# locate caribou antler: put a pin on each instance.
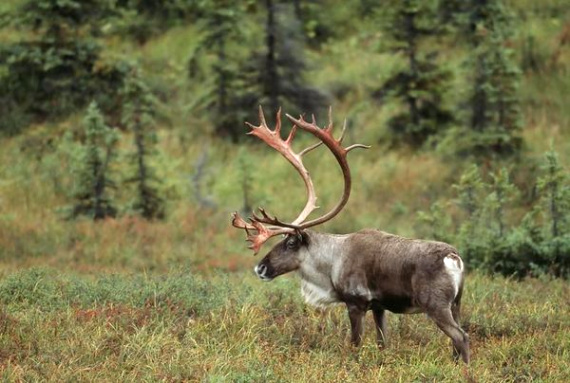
(273, 139)
(340, 153)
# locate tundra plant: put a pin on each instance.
(91, 168)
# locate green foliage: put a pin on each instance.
(534, 57)
(198, 180)
(494, 120)
(283, 74)
(421, 86)
(57, 68)
(273, 75)
(486, 235)
(246, 178)
(554, 189)
(555, 194)
(277, 72)
(438, 222)
(57, 19)
(92, 168)
(139, 111)
(470, 190)
(495, 205)
(229, 99)
(144, 19)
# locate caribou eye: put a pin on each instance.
(291, 242)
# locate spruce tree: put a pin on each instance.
(221, 30)
(421, 84)
(272, 75)
(502, 193)
(280, 70)
(292, 63)
(55, 68)
(469, 191)
(493, 118)
(91, 168)
(554, 189)
(139, 111)
(143, 19)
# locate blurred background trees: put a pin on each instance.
(139, 110)
(57, 65)
(91, 161)
(464, 93)
(492, 112)
(422, 83)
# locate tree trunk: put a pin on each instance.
(271, 76)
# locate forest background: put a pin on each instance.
(123, 152)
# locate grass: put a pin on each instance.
(184, 327)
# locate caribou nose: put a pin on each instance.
(260, 270)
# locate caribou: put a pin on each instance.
(369, 270)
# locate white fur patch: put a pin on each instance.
(316, 295)
(362, 292)
(317, 269)
(454, 266)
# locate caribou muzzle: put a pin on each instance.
(264, 272)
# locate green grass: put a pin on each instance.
(184, 327)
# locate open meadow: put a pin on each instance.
(229, 327)
(174, 298)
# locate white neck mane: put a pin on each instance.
(318, 265)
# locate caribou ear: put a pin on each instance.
(302, 237)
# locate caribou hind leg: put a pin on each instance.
(444, 319)
(356, 316)
(380, 321)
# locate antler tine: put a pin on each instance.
(291, 135)
(330, 125)
(277, 122)
(267, 219)
(307, 150)
(262, 232)
(357, 146)
(261, 118)
(264, 218)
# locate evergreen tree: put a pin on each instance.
(283, 81)
(554, 189)
(91, 168)
(494, 120)
(139, 110)
(487, 236)
(502, 193)
(470, 191)
(143, 19)
(53, 70)
(221, 29)
(273, 76)
(420, 86)
(437, 222)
